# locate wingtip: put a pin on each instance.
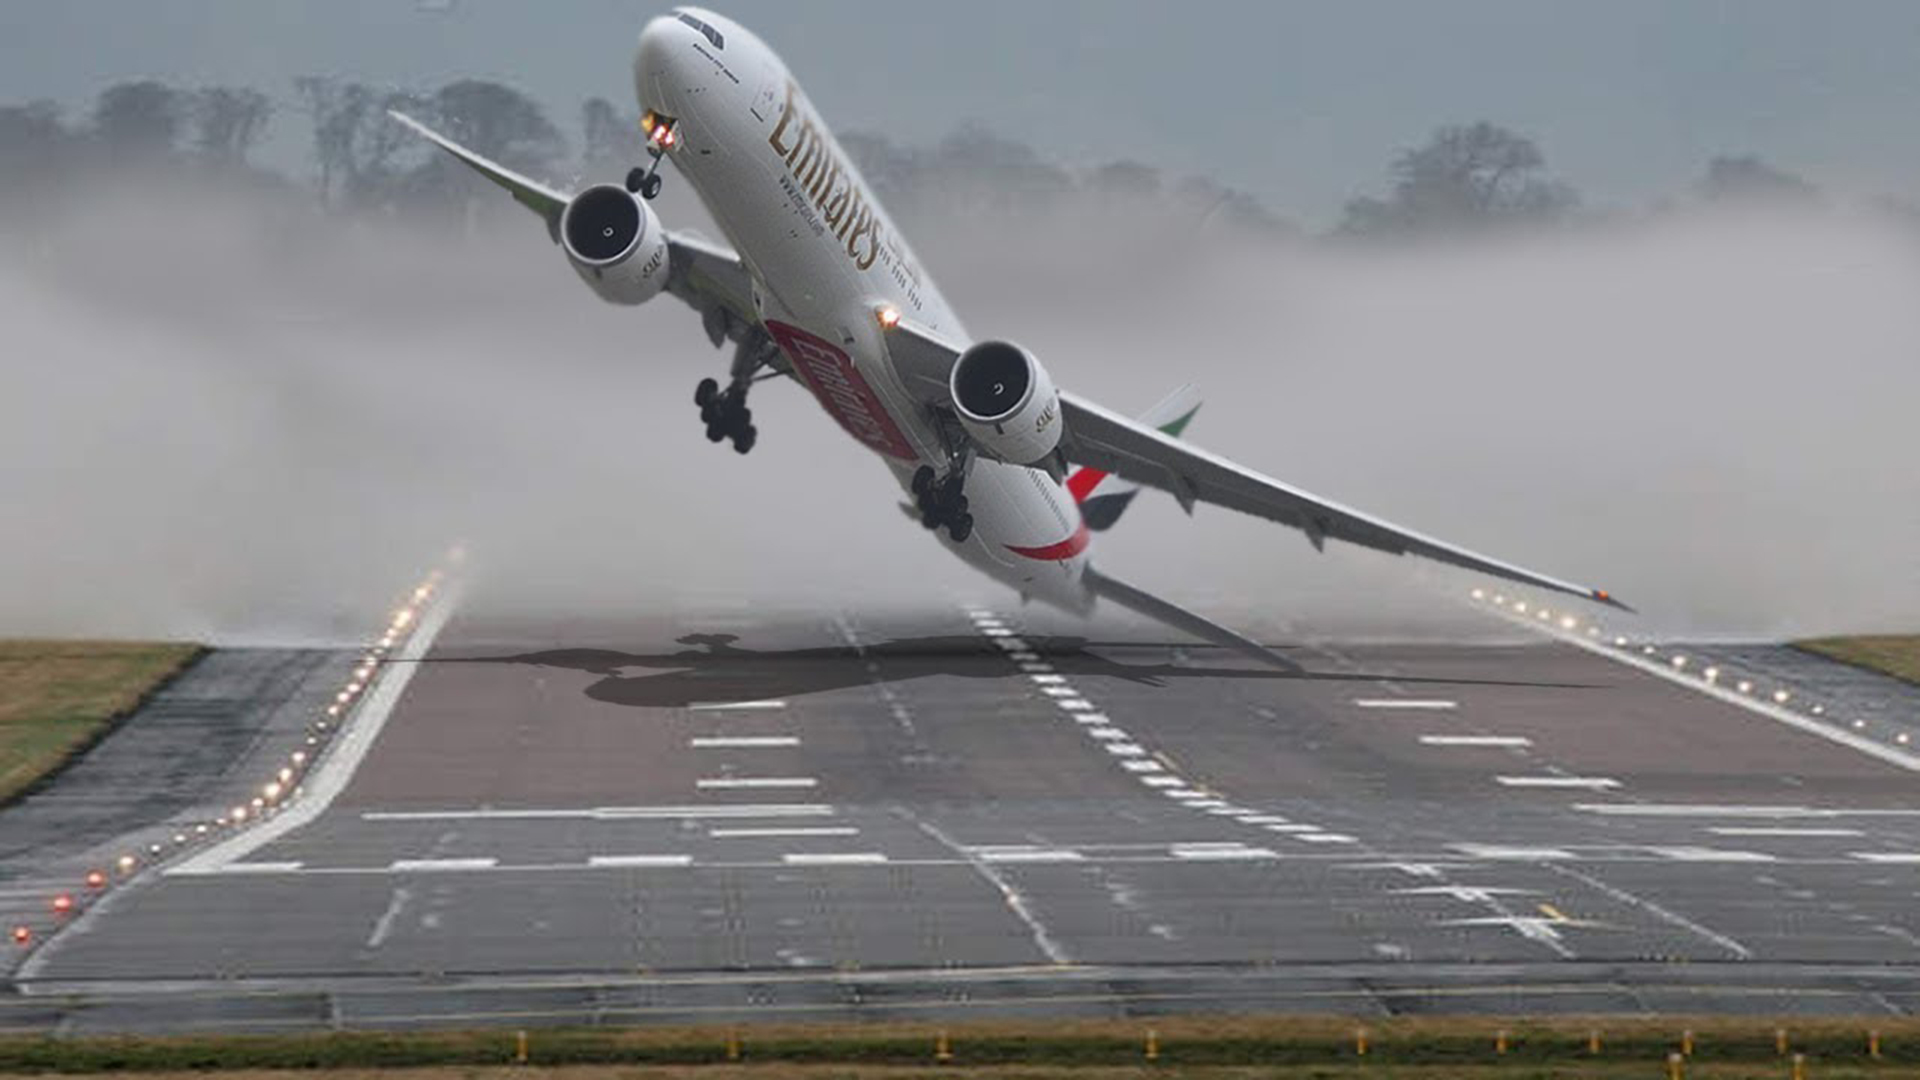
(1607, 598)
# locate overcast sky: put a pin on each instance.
(1300, 103)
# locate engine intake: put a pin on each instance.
(1006, 401)
(615, 243)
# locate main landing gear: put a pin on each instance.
(943, 502)
(660, 138)
(726, 414)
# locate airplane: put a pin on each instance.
(1011, 473)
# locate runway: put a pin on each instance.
(955, 813)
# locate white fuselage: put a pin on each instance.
(825, 258)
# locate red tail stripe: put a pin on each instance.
(1082, 483)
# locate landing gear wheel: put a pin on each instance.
(744, 438)
(650, 186)
(704, 394)
(922, 482)
(715, 432)
(636, 179)
(961, 528)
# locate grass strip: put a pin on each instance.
(1198, 1047)
(57, 698)
(1897, 655)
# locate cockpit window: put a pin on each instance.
(713, 36)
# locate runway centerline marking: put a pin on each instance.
(1891, 857)
(1475, 740)
(833, 858)
(612, 813)
(741, 742)
(1440, 704)
(723, 706)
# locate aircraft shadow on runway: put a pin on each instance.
(714, 669)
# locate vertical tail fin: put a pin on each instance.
(1103, 497)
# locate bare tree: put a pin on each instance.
(1465, 178)
(138, 119)
(227, 122)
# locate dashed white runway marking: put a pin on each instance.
(1225, 851)
(1405, 703)
(1686, 853)
(608, 861)
(741, 742)
(726, 783)
(428, 865)
(1048, 680)
(722, 706)
(833, 858)
(1026, 855)
(1713, 810)
(1326, 838)
(241, 868)
(1509, 851)
(1591, 783)
(383, 926)
(819, 830)
(1736, 830)
(1475, 740)
(1893, 857)
(1472, 894)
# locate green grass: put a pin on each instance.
(1424, 1048)
(1897, 655)
(58, 697)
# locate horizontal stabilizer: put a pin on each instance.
(1145, 603)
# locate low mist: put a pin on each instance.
(229, 419)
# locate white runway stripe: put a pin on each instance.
(610, 813)
(1896, 857)
(260, 868)
(1707, 854)
(1027, 855)
(640, 860)
(727, 783)
(1405, 703)
(1508, 851)
(1475, 740)
(821, 830)
(834, 858)
(741, 742)
(445, 864)
(1590, 783)
(718, 706)
(1736, 830)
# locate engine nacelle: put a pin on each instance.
(615, 243)
(1006, 401)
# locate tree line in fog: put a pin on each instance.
(1464, 179)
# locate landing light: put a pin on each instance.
(127, 861)
(96, 879)
(1478, 594)
(63, 903)
(22, 935)
(1781, 696)
(889, 317)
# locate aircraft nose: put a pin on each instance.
(663, 43)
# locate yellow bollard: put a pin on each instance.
(1799, 1067)
(1593, 1042)
(1686, 1043)
(1360, 1042)
(1873, 1045)
(942, 1049)
(1674, 1067)
(1780, 1041)
(520, 1048)
(1153, 1045)
(733, 1046)
(1500, 1041)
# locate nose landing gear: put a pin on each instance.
(662, 133)
(943, 502)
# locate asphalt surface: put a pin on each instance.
(955, 815)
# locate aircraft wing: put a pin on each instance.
(708, 276)
(1106, 440)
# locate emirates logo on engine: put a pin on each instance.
(830, 373)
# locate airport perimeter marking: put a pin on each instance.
(330, 778)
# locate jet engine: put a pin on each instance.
(615, 243)
(1007, 402)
